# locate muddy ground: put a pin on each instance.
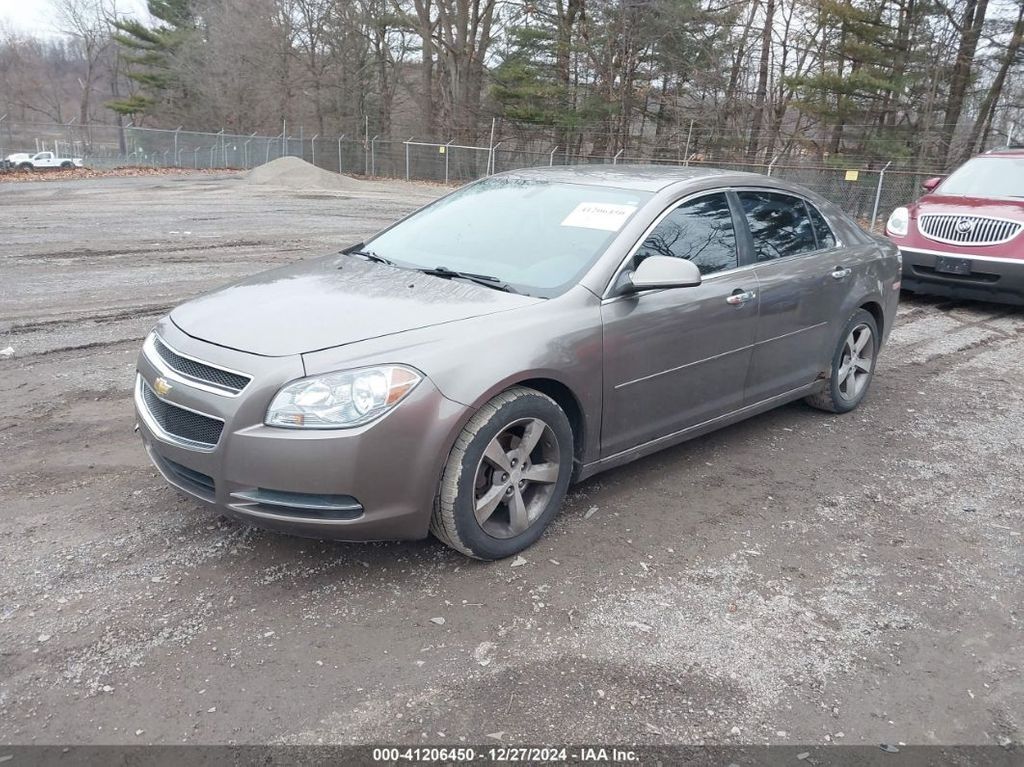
(797, 578)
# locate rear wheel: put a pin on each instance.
(66, 165)
(506, 477)
(26, 166)
(853, 366)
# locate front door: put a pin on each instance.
(677, 358)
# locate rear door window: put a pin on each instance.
(779, 224)
(822, 230)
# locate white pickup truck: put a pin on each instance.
(40, 161)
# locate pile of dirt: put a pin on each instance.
(296, 173)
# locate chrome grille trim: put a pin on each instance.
(176, 424)
(193, 372)
(954, 229)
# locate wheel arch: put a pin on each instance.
(570, 404)
(875, 310)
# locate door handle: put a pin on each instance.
(841, 272)
(741, 297)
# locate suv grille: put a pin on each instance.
(199, 371)
(188, 427)
(968, 230)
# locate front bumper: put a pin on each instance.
(375, 482)
(991, 279)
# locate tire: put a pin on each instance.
(846, 389)
(514, 509)
(26, 166)
(66, 165)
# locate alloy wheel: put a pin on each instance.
(856, 363)
(516, 477)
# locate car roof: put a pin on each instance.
(647, 178)
(1005, 151)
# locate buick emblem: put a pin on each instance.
(964, 225)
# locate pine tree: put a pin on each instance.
(150, 52)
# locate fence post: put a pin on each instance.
(446, 152)
(490, 148)
(366, 145)
(686, 153)
(615, 159)
(407, 157)
(312, 147)
(551, 157)
(176, 131)
(195, 158)
(878, 194)
(339, 151)
(373, 156)
(494, 161)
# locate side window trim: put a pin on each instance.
(807, 204)
(617, 274)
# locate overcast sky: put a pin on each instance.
(36, 16)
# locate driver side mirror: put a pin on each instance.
(664, 272)
(930, 184)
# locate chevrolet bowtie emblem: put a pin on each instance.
(161, 386)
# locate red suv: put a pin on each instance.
(965, 237)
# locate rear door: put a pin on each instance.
(676, 358)
(803, 277)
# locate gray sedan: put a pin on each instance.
(455, 373)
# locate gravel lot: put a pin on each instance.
(797, 578)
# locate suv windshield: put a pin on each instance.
(987, 177)
(537, 236)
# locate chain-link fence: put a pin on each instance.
(869, 194)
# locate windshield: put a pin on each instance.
(537, 236)
(987, 177)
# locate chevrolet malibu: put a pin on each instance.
(456, 372)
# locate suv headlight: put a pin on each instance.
(343, 399)
(899, 222)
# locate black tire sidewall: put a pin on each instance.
(860, 317)
(471, 534)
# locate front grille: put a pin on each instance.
(199, 371)
(190, 428)
(968, 230)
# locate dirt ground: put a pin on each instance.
(797, 578)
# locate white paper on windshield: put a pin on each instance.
(608, 216)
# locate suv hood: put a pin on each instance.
(332, 301)
(996, 207)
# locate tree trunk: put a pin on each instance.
(988, 106)
(762, 79)
(960, 80)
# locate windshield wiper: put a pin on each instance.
(369, 255)
(480, 279)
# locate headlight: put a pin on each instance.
(341, 400)
(899, 222)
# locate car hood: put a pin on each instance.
(1002, 207)
(332, 301)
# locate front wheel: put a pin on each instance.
(506, 477)
(853, 366)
